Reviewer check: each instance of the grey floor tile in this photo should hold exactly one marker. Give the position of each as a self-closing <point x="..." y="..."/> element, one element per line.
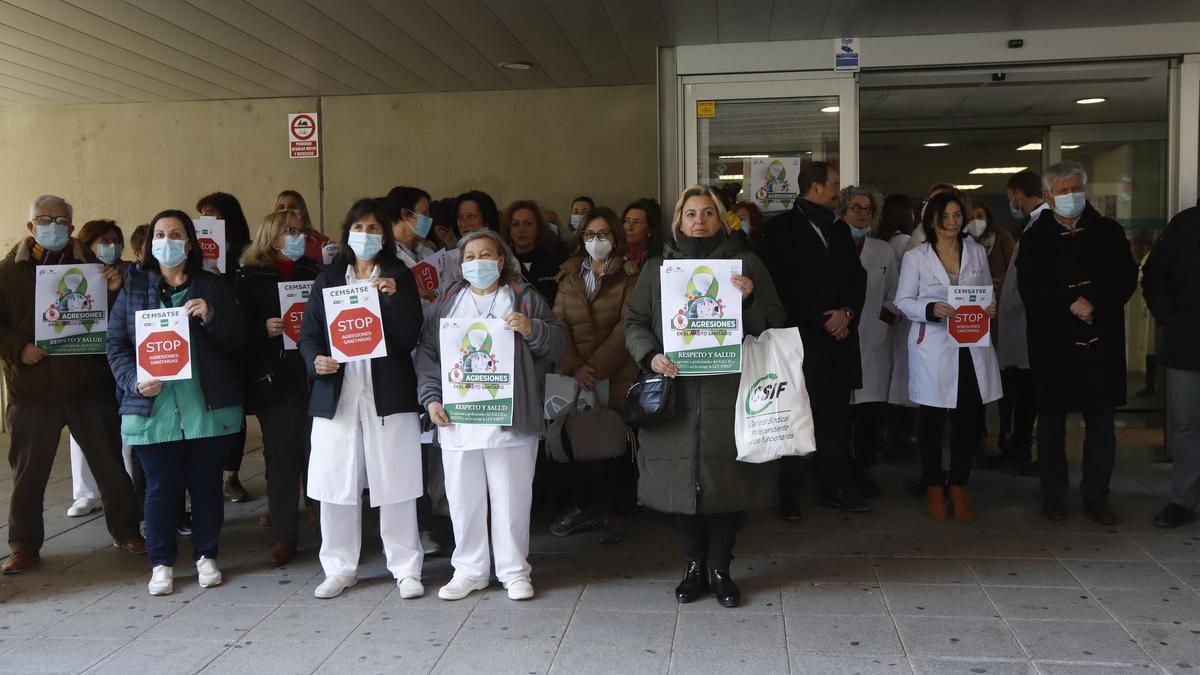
<point x="1187" y="572"/>
<point x="1097" y="574"/>
<point x="1078" y="641"/>
<point x="849" y="665"/>
<point x="1022" y="572"/>
<point x="1063" y="604"/>
<point x="924" y="571"/>
<point x="359" y="656"/>
<point x="932" y="542"/>
<point x="524" y="656"/>
<point x="927" y="600"/>
<point x="368" y="592"/>
<point x="638" y="631"/>
<point x="1171" y="547"/>
<point x="832" y="599"/>
<point x="303" y="624"/>
<point x="168" y="657"/>
<point x="1097" y="547"/>
<point x="254" y="657"/>
<point x="1057" y="668"/>
<point x="729" y="630"/>
<point x="972" y="667"/>
<point x="800" y="569"/>
<point x="549" y="594"/>
<point x="209" y="622"/>
<point x="1171" y="646"/>
<point x="416" y="628"/>
<point x="580" y="658"/>
<point x="998" y="545"/>
<point x="750" y="662"/>
<point x="630" y="595"/>
<point x="251" y="589"/>
<point x="57" y="655"/>
<point x="488" y="627"/>
<point x="971" y="638"/>
<point x="843" y="635"/>
<point x="1151" y="606"/>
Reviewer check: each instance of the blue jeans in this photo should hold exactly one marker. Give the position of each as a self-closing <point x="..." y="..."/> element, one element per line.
<point x="193" y="465"/>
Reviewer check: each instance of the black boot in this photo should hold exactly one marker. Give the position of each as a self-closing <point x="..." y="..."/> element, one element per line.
<point x="725" y="591"/>
<point x="694" y="582"/>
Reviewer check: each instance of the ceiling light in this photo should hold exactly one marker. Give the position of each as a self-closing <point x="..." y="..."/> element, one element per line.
<point x="731" y="176"/>
<point x="1030" y="146"/>
<point x="516" y="65"/>
<point x="1069" y="147"/>
<point x="831" y="109"/>
<point x="968" y="186"/>
<point x="938" y="144"/>
<point x="1090" y="101"/>
<point x="742" y="156"/>
<point x="997" y="169"/>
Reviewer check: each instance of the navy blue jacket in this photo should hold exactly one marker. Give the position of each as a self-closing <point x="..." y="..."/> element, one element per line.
<point x="217" y="344"/>
<point x="392" y="377"/>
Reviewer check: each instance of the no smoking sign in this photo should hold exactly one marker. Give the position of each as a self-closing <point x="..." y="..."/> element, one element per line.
<point x="302" y="135"/>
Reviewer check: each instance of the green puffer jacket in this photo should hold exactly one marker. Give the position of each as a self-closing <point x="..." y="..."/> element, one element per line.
<point x="689" y="464"/>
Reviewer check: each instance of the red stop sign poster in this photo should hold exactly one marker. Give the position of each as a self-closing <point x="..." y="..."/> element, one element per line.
<point x="293" y="298"/>
<point x="970" y="324"/>
<point x="354" y="323"/>
<point x="210" y="232"/>
<point x="163" y="345"/>
<point x="426" y="276"/>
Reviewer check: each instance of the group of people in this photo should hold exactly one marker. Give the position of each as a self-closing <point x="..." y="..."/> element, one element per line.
<point x="865" y="280"/>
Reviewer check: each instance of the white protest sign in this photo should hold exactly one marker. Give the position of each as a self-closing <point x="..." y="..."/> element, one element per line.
<point x="702" y="316"/>
<point x="70" y="309"/>
<point x="970" y="324"/>
<point x="773" y="182"/>
<point x="302" y="136"/>
<point x="164" y="350"/>
<point x="293" y="298"/>
<point x="477" y="371"/>
<point x="354" y="323"/>
<point x="210" y="232"/>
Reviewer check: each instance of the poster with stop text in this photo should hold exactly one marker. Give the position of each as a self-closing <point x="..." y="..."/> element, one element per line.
<point x="702" y="316"/>
<point x="210" y="232"/>
<point x="164" y="345"/>
<point x="477" y="371"/>
<point x="970" y="326"/>
<point x="354" y="323"/>
<point x="293" y="298"/>
<point x="71" y="309"/>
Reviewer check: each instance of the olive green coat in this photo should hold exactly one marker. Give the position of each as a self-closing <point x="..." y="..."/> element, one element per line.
<point x="689" y="464"/>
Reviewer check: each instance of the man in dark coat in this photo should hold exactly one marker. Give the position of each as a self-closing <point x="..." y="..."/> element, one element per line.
<point x="822" y="284"/>
<point x="1171" y="284"/>
<point x="1076" y="273"/>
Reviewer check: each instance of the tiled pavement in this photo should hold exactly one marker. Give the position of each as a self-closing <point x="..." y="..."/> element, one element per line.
<point x="889" y="592"/>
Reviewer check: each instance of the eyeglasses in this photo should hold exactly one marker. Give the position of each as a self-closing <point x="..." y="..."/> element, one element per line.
<point x="293" y="231"/>
<point x="602" y="235"/>
<point x="46" y="220"/>
<point x="858" y="208"/>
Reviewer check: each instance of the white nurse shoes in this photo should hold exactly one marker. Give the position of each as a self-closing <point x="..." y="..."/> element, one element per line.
<point x="206" y="569"/>
<point x="519" y="589"/>
<point x="333" y="586"/>
<point x="461" y="587"/>
<point x="410" y="587"/>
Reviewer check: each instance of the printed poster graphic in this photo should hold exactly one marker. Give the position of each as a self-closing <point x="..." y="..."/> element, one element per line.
<point x="303" y="136"/>
<point x="773" y="182"/>
<point x="477" y="371"/>
<point x="355" y="324"/>
<point x="210" y="232"/>
<point x="702" y="316"/>
<point x="70" y="309"/>
<point x="329" y="252"/>
<point x="164" y="350"/>
<point x="426" y="275"/>
<point x="971" y="324"/>
<point x="293" y="298"/>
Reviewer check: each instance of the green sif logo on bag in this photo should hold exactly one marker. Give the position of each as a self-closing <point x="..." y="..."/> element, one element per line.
<point x="476" y="369"/>
<point x="703" y="312"/>
<point x="763" y="397"/>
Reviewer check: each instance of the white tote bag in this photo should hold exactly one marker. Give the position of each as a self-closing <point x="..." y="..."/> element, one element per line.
<point x="774" y="418"/>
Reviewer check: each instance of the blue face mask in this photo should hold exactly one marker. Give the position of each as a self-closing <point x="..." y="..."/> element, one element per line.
<point x="293" y="246"/>
<point x="481" y="273"/>
<point x="52" y="237"/>
<point x="366" y="245"/>
<point x="1016" y="212"/>
<point x="169" y="253"/>
<point x="859" y="232"/>
<point x="1070" y="205"/>
<point x="108" y="254"/>
<point x="424" y="224"/>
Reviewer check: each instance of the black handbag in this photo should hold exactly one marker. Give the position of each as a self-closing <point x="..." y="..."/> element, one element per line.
<point x="650" y="401"/>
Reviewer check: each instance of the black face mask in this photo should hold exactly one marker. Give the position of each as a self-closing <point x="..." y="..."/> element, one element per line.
<point x="699" y="247"/>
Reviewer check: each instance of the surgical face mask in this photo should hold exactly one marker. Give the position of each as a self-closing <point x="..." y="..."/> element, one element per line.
<point x="481" y="273"/>
<point x="976" y="227"/>
<point x="293" y="246"/>
<point x="552" y="225"/>
<point x="424" y="224"/>
<point x="108" y="254"/>
<point x="859" y="232"/>
<point x="598" y="248"/>
<point x="1016" y="212"/>
<point x="366" y="245"/>
<point x="1070" y="205"/>
<point x="169" y="253"/>
<point x="52" y="237"/>
<point x="576" y="220"/>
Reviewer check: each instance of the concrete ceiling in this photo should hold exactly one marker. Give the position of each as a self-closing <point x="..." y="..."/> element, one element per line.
<point x="100" y="51"/>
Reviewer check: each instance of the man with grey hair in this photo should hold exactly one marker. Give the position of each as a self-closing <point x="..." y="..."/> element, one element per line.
<point x="1075" y="273"/>
<point x="47" y="392"/>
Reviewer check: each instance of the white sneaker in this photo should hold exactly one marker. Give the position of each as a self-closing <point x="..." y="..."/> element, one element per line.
<point x="461" y="587"/>
<point x="82" y="507"/>
<point x="206" y="569"/>
<point x="519" y="589"/>
<point x="333" y="586"/>
<point x="162" y="580"/>
<point x="429" y="545"/>
<point x="410" y="587"/>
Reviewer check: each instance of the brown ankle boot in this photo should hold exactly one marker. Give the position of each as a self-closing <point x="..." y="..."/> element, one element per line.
<point x="935" y="501"/>
<point x="962" y="508"/>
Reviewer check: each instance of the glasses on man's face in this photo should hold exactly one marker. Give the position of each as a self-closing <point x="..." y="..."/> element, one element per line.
<point x="46" y="220"/>
<point x="602" y="235"/>
<point x="861" y="210"/>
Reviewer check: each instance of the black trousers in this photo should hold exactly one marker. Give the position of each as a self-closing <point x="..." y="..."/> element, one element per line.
<point x="709" y="537"/>
<point x="831" y="429"/>
<point x="193" y="465"/>
<point x="286" y="430"/>
<point x="1099" y="453"/>
<point x="866" y="423"/>
<point x="964" y="429"/>
<point x="236" y="449"/>
<point x="1017" y="412"/>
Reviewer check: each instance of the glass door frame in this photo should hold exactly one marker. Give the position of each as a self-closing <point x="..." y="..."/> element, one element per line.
<point x="772" y="86"/>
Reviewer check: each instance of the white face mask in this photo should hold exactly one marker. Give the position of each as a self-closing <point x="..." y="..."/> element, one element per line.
<point x="599" y="249"/>
<point x="976" y="227"/>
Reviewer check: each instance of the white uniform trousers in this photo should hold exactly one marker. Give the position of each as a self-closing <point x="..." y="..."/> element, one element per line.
<point x="341" y="538"/>
<point x="503" y="479"/>
<point x="83" y="484"/>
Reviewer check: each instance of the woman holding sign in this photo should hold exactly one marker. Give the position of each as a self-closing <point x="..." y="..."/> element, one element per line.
<point x="482" y="385"/>
<point x="276" y="381"/>
<point x="688" y="464"/>
<point x="179" y="390"/>
<point x="366" y="430"/>
<point x="945" y="377"/>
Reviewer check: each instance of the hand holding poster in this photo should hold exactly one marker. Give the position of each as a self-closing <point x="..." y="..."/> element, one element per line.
<point x="329" y="252"/>
<point x="210" y="232"/>
<point x="71" y="309"/>
<point x="971" y="324"/>
<point x="354" y="323"/>
<point x="477" y="371"/>
<point x="702" y="316"/>
<point x="164" y="350"/>
<point x="293" y="298"/>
